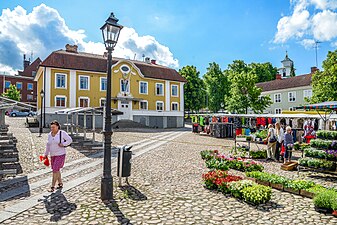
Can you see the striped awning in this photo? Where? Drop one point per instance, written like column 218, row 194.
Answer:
column 323, row 105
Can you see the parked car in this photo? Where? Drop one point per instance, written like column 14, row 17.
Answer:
column 16, row 113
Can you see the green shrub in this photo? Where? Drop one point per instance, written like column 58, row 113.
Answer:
column 236, row 187
column 256, row 194
column 216, row 164
column 208, row 154
column 324, row 134
column 299, row 184
column 275, row 179
column 322, row 144
column 316, row 189
column 326, row 199
column 258, row 154
column 317, row 163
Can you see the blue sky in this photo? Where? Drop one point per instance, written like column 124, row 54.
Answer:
column 176, row 33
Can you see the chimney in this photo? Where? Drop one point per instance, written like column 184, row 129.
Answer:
column 26, row 62
column 71, row 48
column 153, row 61
column 314, row 69
column 147, row 60
column 278, row 76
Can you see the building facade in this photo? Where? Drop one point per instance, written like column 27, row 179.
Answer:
column 24, row 82
column 145, row 92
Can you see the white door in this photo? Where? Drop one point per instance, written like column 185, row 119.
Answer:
column 125, row 107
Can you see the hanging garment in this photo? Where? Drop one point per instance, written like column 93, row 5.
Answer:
column 270, row 121
column 202, row 121
column 273, row 120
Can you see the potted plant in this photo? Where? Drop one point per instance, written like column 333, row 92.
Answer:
column 277, row 182
column 323, row 201
column 236, row 187
column 256, row 194
column 294, row 186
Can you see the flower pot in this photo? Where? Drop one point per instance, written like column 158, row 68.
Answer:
column 307, row 194
column 334, row 213
column 277, row 186
column 265, row 183
column 323, row 210
column 293, row 191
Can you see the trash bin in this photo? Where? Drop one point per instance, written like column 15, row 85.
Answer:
column 124, row 161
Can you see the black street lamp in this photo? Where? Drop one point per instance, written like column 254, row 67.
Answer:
column 42, row 95
column 110, row 31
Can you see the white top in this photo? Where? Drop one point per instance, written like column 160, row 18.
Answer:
column 280, row 137
column 272, row 132
column 53, row 147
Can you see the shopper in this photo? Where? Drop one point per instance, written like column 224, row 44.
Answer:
column 58, row 140
column 271, row 146
column 288, row 144
column 280, row 138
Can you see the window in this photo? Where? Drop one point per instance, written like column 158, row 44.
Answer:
column 29, row 97
column 291, row 96
column 159, row 89
column 277, row 97
column 125, row 69
column 60, row 80
column 174, row 90
column 143, row 87
column 102, row 102
column 291, row 109
column 160, row 106
column 103, row 83
column 307, row 94
column 84, row 83
column 19, row 85
column 84, row 102
column 7, row 84
column 143, row 105
column 125, row 87
column 278, row 111
column 60, row 101
column 174, row 106
column 29, row 86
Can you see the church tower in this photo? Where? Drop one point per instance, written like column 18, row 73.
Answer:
column 287, row 68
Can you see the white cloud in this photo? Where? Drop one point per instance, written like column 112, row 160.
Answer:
column 308, row 43
column 43, row 30
column 305, row 23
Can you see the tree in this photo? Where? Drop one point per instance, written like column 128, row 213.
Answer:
column 244, row 93
column 194, row 88
column 292, row 70
column 324, row 83
column 264, row 71
column 12, row 93
column 217, row 86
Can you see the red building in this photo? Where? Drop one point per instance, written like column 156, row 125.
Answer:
column 24, row 81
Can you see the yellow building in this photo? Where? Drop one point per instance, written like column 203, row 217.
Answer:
column 144, row 91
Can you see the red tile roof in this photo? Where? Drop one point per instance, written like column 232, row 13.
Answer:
column 292, row 82
column 98, row 63
column 32, row 67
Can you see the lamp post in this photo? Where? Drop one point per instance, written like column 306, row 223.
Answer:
column 110, row 32
column 41, row 95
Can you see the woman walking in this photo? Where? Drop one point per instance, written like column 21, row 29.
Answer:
column 288, row 144
column 58, row 140
column 280, row 138
column 271, row 143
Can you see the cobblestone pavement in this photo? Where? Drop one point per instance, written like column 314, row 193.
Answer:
column 166, row 188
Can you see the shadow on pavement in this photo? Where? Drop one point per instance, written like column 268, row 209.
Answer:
column 113, row 206
column 133, row 193
column 14, row 188
column 266, row 207
column 58, row 205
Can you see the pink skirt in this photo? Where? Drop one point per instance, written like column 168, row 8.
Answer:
column 57, row 162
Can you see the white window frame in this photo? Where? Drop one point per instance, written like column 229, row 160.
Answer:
column 83, row 97
column 7, row 81
column 275, row 98
column 278, row 109
column 176, row 104
column 174, row 85
column 65, row 80
column 147, row 105
column 147, row 87
column 162, row 89
column 16, row 84
column 305, row 93
column 29, row 88
column 100, row 102
column 294, row 96
column 120, row 86
column 100, row 83
column 79, row 83
column 157, row 106
column 61, row 96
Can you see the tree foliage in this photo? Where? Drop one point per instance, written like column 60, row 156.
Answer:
column 324, row 83
column 194, row 94
column 292, row 70
column 244, row 93
column 217, row 86
column 12, row 93
column 264, row 71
